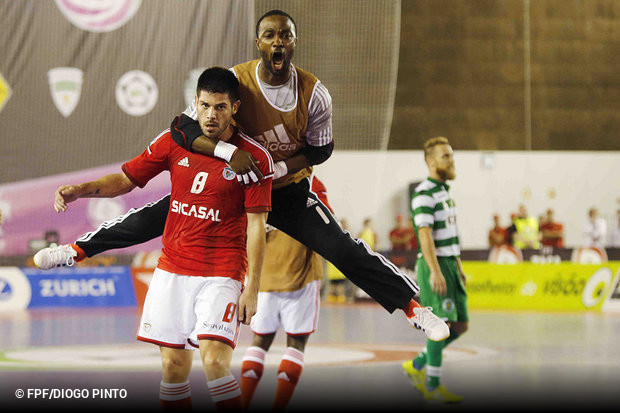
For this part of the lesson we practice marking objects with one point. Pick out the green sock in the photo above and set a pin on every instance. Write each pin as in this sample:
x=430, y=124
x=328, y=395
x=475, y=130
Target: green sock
x=433, y=370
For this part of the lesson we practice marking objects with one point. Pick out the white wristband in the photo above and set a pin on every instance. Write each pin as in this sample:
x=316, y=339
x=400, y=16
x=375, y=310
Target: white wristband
x=279, y=170
x=224, y=151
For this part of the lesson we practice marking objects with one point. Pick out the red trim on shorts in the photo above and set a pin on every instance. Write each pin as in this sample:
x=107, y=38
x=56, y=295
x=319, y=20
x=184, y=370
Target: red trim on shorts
x=216, y=338
x=191, y=343
x=300, y=334
x=263, y=334
x=161, y=343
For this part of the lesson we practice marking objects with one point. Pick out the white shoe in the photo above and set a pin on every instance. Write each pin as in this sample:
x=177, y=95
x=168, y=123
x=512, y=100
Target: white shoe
x=434, y=327
x=51, y=257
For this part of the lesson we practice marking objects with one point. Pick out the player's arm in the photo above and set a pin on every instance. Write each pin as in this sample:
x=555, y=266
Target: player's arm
x=427, y=245
x=320, y=144
x=256, y=241
x=108, y=186
x=461, y=270
x=186, y=132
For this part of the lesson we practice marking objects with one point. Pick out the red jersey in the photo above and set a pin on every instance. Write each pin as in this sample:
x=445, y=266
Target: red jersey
x=206, y=226
x=319, y=189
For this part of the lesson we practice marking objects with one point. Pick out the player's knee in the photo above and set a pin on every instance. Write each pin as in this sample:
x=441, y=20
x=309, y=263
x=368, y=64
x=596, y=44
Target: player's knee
x=460, y=328
x=174, y=369
x=214, y=365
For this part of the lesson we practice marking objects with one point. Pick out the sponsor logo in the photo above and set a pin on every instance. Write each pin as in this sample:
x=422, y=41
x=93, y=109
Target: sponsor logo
x=228, y=174
x=15, y=291
x=195, y=211
x=93, y=287
x=597, y=287
x=220, y=328
x=136, y=93
x=98, y=15
x=310, y=202
x=190, y=84
x=65, y=87
x=276, y=140
x=5, y=290
x=184, y=162
x=5, y=92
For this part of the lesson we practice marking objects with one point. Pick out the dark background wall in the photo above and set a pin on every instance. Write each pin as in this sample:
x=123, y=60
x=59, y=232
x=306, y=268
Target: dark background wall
x=466, y=72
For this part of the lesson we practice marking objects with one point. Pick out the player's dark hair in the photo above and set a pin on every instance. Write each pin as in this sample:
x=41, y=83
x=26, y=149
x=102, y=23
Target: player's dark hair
x=276, y=12
x=219, y=80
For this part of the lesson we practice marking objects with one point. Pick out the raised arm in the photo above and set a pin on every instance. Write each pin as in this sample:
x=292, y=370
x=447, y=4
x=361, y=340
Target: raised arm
x=108, y=186
x=256, y=241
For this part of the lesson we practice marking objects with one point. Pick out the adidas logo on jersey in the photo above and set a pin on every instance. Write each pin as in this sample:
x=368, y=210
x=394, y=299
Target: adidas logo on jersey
x=276, y=140
x=184, y=162
x=310, y=202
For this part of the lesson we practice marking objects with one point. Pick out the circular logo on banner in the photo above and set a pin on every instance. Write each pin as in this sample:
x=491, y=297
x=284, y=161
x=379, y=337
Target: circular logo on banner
x=595, y=288
x=136, y=93
x=98, y=15
x=15, y=292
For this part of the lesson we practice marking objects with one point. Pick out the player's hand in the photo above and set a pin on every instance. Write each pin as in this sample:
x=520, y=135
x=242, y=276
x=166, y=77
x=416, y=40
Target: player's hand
x=464, y=279
x=438, y=283
x=65, y=194
x=245, y=166
x=247, y=306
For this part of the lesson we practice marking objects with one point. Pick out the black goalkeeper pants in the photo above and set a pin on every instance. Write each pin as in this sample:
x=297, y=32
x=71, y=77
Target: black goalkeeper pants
x=296, y=211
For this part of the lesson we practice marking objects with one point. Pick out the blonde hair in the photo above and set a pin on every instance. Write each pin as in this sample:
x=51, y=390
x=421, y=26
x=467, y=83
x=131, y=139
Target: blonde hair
x=431, y=143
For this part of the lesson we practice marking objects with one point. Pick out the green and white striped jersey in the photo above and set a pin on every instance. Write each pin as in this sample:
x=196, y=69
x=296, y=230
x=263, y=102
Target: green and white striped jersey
x=432, y=206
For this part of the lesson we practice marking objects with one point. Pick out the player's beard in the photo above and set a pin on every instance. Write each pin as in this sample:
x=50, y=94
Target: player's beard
x=217, y=133
x=447, y=174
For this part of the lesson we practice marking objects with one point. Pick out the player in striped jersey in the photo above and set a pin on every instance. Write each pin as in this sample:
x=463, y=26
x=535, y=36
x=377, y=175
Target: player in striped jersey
x=439, y=269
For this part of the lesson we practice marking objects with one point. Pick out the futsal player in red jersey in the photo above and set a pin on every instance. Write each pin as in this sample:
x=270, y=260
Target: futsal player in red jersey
x=197, y=298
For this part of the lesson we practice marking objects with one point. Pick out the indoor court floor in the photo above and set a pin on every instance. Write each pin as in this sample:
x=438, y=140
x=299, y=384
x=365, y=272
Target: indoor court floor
x=353, y=362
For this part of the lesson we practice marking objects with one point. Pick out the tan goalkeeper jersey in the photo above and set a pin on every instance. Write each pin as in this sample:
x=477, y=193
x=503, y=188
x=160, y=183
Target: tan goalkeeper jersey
x=281, y=132
x=289, y=265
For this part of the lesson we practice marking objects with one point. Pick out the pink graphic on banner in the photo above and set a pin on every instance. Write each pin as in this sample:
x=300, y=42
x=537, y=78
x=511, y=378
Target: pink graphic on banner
x=98, y=15
x=28, y=212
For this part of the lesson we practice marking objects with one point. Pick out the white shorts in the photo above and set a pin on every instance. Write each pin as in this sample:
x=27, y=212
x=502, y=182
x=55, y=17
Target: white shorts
x=179, y=310
x=297, y=312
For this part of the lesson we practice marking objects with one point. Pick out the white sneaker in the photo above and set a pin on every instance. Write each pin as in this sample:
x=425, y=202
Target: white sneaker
x=434, y=327
x=51, y=257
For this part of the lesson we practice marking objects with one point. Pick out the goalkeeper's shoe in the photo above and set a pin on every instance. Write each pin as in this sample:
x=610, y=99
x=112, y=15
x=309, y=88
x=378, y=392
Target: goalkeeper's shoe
x=59, y=256
x=441, y=393
x=434, y=327
x=418, y=377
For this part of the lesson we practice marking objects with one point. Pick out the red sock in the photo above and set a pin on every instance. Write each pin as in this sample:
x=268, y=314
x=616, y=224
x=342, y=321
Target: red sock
x=80, y=252
x=288, y=375
x=175, y=396
x=409, y=308
x=252, y=368
x=225, y=393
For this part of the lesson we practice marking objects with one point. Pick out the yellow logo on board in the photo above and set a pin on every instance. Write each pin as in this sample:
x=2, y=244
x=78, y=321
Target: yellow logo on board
x=5, y=92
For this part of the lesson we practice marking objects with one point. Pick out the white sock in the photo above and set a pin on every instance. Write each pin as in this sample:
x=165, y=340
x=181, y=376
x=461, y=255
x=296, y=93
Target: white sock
x=174, y=391
x=224, y=388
